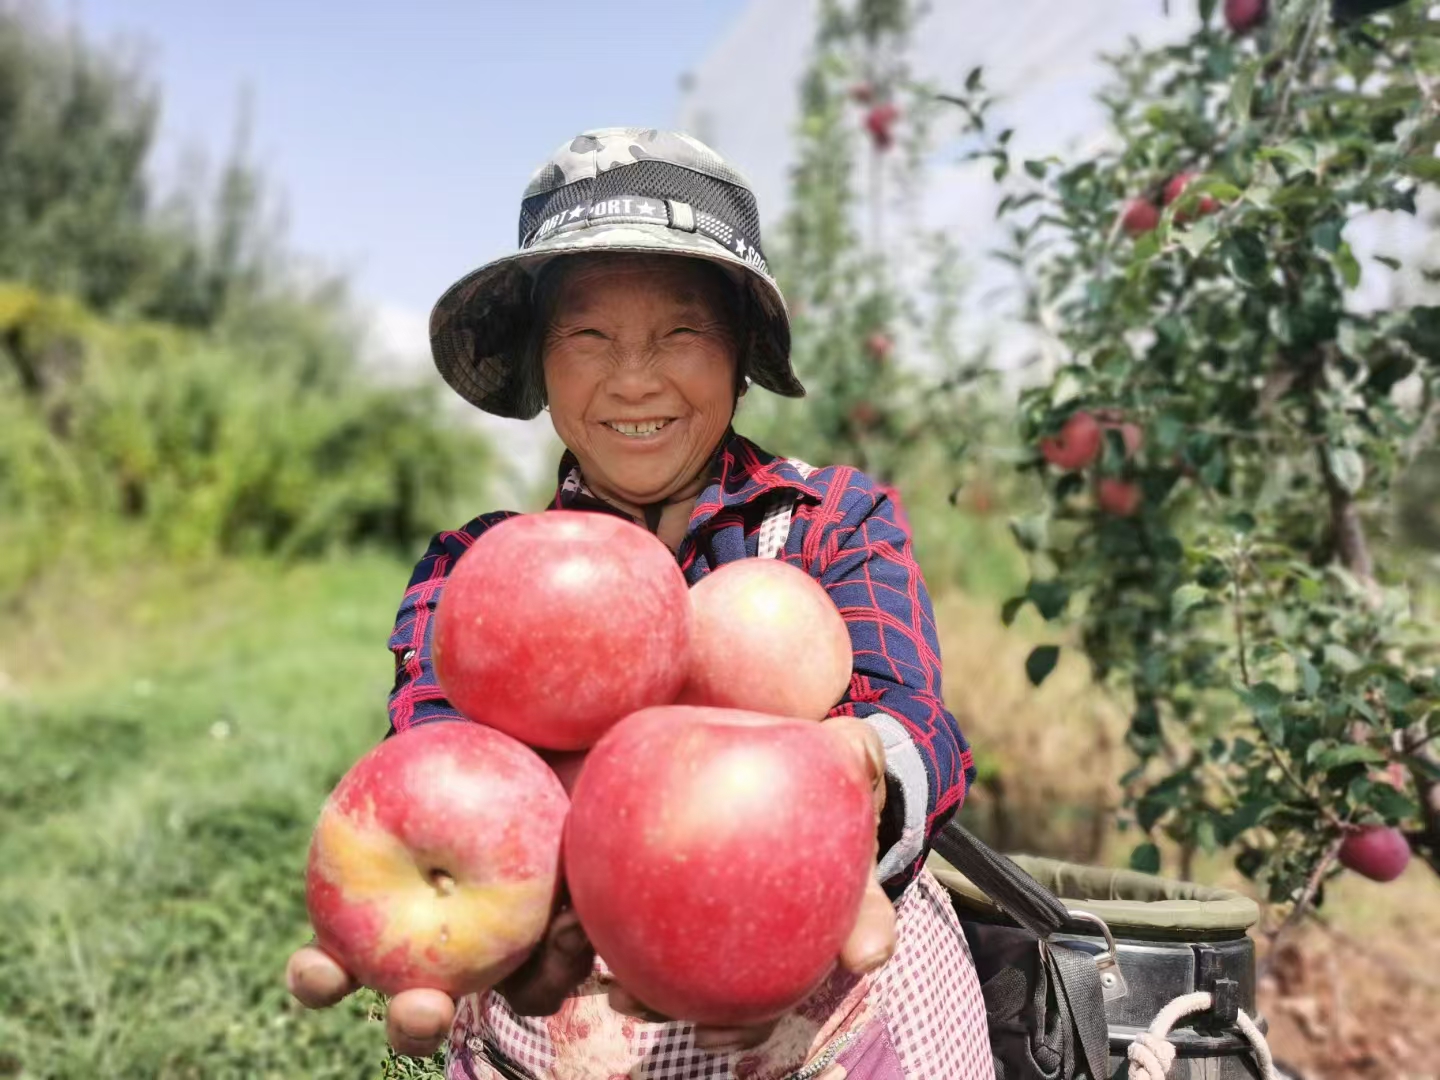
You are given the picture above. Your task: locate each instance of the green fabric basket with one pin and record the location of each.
(1131, 903)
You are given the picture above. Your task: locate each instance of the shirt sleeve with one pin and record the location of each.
(417, 698)
(869, 569)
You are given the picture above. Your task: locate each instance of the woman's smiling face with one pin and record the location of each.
(640, 356)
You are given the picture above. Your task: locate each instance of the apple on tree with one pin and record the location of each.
(435, 861)
(1243, 16)
(1378, 852)
(1207, 204)
(878, 346)
(555, 625)
(717, 859)
(1076, 445)
(1140, 216)
(1119, 498)
(879, 121)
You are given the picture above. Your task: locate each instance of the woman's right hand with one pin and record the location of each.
(417, 1022)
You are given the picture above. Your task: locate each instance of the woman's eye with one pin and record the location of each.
(683, 330)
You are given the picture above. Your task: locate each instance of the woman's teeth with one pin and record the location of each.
(645, 427)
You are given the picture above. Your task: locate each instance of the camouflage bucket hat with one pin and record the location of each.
(612, 190)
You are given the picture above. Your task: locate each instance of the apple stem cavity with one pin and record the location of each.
(443, 883)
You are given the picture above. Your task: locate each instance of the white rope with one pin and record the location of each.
(1152, 1053)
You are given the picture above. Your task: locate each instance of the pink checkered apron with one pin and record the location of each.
(919, 1017)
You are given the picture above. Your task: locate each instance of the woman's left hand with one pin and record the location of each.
(871, 941)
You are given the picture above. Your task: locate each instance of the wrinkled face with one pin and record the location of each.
(640, 361)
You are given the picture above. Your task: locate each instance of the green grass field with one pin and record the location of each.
(165, 743)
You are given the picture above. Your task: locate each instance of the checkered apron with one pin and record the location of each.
(920, 1017)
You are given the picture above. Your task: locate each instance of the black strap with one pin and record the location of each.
(1080, 996)
(1011, 889)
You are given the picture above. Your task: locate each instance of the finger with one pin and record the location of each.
(561, 963)
(315, 978)
(719, 1040)
(627, 1004)
(872, 941)
(417, 1021)
(869, 750)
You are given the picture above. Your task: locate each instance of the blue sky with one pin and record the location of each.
(399, 137)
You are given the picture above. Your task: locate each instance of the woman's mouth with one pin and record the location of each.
(637, 429)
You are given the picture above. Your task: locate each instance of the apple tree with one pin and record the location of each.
(1223, 425)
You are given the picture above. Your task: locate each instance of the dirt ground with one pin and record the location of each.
(1359, 995)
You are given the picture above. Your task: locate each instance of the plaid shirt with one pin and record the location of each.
(849, 533)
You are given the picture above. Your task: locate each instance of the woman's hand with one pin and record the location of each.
(871, 941)
(417, 1022)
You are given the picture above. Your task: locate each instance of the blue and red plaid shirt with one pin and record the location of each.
(850, 534)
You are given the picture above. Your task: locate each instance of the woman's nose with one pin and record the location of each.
(635, 373)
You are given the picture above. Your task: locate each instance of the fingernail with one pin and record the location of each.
(572, 941)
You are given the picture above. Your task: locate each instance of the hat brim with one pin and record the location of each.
(479, 326)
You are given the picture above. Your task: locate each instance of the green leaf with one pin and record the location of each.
(1422, 167)
(1347, 266)
(974, 79)
(1348, 754)
(1049, 597)
(1242, 89)
(1195, 240)
(1264, 701)
(1386, 260)
(1309, 677)
(1011, 608)
(1146, 859)
(1036, 169)
(1186, 597)
(1347, 466)
(1029, 532)
(1341, 657)
(1041, 662)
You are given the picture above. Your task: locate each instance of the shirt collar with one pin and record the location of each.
(740, 473)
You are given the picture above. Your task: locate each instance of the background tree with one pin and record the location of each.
(1221, 438)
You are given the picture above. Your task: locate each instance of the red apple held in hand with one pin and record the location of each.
(717, 859)
(435, 861)
(1139, 217)
(1119, 498)
(1176, 187)
(555, 625)
(767, 637)
(879, 121)
(1244, 15)
(1377, 852)
(1077, 445)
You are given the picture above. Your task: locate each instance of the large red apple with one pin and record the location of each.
(1076, 445)
(767, 637)
(435, 860)
(717, 859)
(555, 625)
(1377, 852)
(1140, 216)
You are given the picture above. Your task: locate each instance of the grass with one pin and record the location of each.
(167, 741)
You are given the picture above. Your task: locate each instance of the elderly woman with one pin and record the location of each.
(637, 312)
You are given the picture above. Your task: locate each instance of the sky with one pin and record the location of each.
(398, 138)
